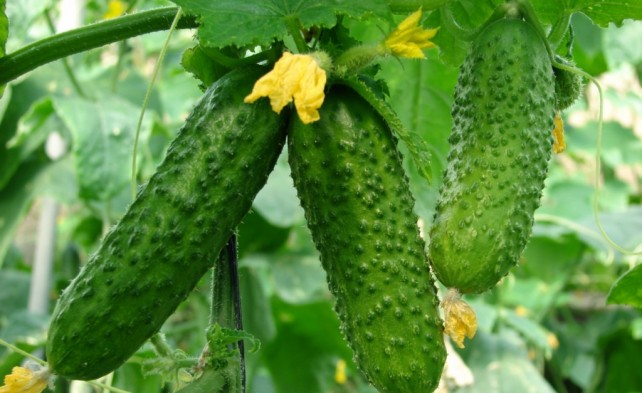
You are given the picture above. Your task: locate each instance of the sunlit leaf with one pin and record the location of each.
(500, 362)
(4, 33)
(103, 135)
(600, 11)
(628, 289)
(277, 201)
(259, 22)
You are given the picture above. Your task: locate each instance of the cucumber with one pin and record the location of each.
(568, 85)
(171, 234)
(501, 142)
(359, 209)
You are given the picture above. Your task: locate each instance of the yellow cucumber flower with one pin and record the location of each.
(24, 380)
(459, 318)
(409, 38)
(294, 77)
(559, 143)
(115, 8)
(340, 372)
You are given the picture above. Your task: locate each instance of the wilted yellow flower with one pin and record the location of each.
(24, 380)
(340, 372)
(459, 318)
(115, 8)
(294, 77)
(559, 143)
(408, 39)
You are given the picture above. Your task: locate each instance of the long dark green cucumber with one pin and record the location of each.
(500, 147)
(349, 178)
(171, 234)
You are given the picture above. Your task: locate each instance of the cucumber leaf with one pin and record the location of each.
(469, 15)
(4, 33)
(259, 22)
(500, 362)
(601, 12)
(627, 289)
(4, 27)
(103, 136)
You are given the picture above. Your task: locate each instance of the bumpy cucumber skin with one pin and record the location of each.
(500, 147)
(358, 206)
(171, 234)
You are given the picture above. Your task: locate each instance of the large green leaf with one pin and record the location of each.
(627, 289)
(14, 291)
(278, 201)
(620, 145)
(4, 27)
(602, 12)
(4, 33)
(471, 14)
(257, 235)
(15, 200)
(103, 136)
(33, 129)
(624, 44)
(500, 364)
(257, 312)
(302, 357)
(620, 366)
(259, 22)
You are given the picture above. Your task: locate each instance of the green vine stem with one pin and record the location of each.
(88, 37)
(226, 298)
(293, 25)
(65, 61)
(556, 35)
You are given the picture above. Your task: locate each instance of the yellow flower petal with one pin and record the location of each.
(115, 8)
(340, 372)
(294, 77)
(559, 143)
(408, 39)
(24, 380)
(460, 319)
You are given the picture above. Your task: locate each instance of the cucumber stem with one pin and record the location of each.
(559, 29)
(226, 298)
(293, 25)
(160, 346)
(357, 57)
(148, 94)
(598, 158)
(65, 62)
(21, 352)
(529, 15)
(88, 37)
